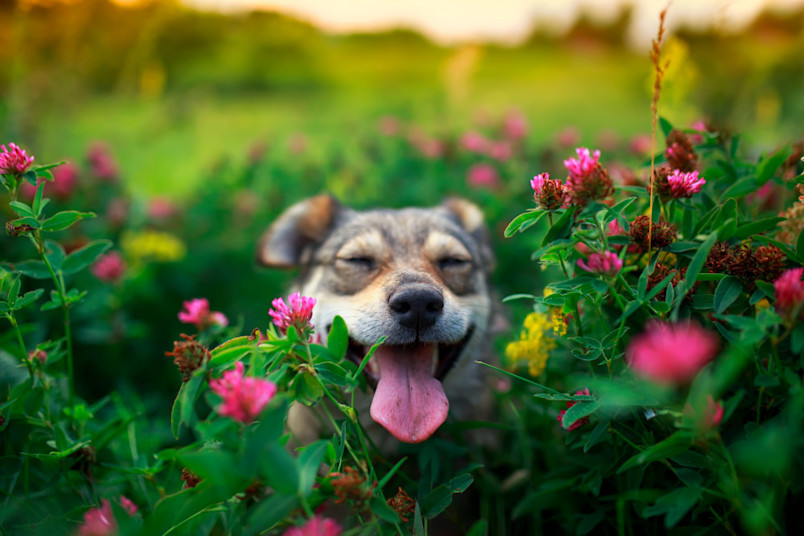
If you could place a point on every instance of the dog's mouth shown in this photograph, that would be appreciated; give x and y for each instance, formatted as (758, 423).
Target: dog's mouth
(409, 400)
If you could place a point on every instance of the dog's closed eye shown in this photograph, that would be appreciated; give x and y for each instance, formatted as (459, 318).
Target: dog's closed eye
(453, 263)
(361, 262)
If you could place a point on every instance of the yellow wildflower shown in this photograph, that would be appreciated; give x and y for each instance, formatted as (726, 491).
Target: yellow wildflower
(152, 245)
(559, 320)
(762, 304)
(533, 346)
(557, 316)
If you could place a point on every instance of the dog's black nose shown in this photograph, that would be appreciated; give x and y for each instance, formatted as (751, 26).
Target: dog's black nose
(417, 308)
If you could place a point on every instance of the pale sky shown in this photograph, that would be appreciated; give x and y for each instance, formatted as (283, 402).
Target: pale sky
(507, 21)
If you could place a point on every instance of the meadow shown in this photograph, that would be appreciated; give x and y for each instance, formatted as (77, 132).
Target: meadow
(186, 133)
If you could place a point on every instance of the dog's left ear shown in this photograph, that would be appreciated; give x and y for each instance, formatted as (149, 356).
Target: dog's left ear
(470, 217)
(302, 225)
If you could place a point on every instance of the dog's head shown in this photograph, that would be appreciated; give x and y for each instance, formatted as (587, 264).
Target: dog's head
(417, 276)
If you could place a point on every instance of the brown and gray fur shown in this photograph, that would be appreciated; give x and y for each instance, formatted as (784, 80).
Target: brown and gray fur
(356, 263)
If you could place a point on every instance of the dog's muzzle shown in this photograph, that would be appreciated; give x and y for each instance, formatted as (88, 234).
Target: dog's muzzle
(417, 307)
(406, 371)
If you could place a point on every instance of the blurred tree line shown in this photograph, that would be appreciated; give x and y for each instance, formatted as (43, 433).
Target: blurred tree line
(57, 52)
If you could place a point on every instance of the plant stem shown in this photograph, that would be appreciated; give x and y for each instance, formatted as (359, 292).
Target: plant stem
(59, 283)
(21, 342)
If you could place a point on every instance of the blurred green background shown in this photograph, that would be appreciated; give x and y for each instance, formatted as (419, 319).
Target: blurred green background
(175, 91)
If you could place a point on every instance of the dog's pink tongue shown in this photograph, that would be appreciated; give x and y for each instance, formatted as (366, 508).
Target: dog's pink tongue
(408, 401)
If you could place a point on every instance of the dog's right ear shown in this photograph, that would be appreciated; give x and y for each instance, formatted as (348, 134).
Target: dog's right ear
(303, 224)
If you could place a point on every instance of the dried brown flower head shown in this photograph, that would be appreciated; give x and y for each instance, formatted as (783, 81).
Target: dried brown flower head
(18, 229)
(679, 153)
(189, 355)
(191, 479)
(660, 182)
(770, 262)
(719, 258)
(743, 264)
(594, 185)
(402, 504)
(793, 225)
(662, 233)
(351, 484)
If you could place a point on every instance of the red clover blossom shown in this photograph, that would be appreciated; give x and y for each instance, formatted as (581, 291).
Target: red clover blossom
(685, 184)
(316, 526)
(549, 194)
(606, 263)
(655, 353)
(297, 312)
(15, 161)
(197, 312)
(244, 398)
(789, 290)
(582, 166)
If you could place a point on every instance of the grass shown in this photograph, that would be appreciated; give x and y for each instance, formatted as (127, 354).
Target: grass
(166, 144)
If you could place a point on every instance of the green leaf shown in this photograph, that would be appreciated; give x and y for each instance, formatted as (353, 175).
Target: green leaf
(727, 211)
(694, 268)
(666, 126)
(220, 468)
(441, 497)
(183, 411)
(672, 446)
(578, 411)
(22, 209)
(768, 166)
(27, 220)
(797, 339)
(418, 522)
(741, 188)
(367, 358)
(64, 220)
(728, 290)
(642, 283)
(800, 245)
(560, 227)
(307, 388)
(674, 505)
(28, 298)
(613, 212)
(14, 290)
(658, 287)
(479, 528)
(230, 351)
(308, 462)
(704, 221)
(756, 227)
(517, 223)
(279, 469)
(391, 473)
(83, 257)
(55, 254)
(37, 202)
(268, 512)
(338, 338)
(383, 510)
(597, 435)
(334, 373)
(45, 167)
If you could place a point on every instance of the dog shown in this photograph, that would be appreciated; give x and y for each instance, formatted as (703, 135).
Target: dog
(419, 277)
